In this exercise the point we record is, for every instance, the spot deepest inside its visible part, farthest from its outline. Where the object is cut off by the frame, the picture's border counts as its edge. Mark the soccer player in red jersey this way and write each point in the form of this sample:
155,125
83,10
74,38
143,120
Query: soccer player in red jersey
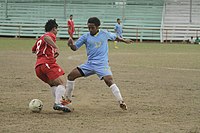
46,67
70,24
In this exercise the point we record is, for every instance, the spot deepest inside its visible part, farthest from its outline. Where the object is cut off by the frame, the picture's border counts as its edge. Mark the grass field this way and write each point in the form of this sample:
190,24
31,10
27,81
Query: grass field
159,82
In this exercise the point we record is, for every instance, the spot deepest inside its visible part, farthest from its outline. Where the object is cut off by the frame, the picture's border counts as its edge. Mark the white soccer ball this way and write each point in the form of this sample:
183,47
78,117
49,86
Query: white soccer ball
35,105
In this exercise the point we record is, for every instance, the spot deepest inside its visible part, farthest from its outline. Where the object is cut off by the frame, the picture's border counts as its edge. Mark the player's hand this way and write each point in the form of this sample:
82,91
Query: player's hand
128,41
70,42
56,54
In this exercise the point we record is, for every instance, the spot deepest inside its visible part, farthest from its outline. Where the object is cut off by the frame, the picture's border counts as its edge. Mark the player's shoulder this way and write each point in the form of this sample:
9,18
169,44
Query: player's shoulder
85,35
103,31
50,34
53,36
68,21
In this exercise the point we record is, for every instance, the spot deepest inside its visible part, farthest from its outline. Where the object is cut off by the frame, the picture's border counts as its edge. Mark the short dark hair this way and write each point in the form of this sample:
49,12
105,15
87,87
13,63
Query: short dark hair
95,21
118,19
71,15
50,24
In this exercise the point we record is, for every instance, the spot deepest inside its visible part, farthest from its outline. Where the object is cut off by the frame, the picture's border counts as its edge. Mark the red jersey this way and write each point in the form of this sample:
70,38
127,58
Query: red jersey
44,51
70,23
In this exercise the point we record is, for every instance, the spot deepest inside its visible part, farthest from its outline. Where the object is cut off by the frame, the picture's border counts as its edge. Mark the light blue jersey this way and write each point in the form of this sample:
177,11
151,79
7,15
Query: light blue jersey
118,29
97,53
96,46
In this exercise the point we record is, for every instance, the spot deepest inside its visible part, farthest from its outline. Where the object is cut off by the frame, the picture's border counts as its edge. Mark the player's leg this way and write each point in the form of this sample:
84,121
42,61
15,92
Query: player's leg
104,72
115,90
115,43
82,70
42,76
70,34
74,74
58,88
55,78
59,91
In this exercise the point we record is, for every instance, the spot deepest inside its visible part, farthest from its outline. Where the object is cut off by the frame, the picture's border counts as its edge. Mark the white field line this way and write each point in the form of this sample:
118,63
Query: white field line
181,69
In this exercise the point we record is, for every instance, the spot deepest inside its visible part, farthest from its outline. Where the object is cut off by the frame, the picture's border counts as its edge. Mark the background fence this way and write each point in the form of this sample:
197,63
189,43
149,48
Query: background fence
142,20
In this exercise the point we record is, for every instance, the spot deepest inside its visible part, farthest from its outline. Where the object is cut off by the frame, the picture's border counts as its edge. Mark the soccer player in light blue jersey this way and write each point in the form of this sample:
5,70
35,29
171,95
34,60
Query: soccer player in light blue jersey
118,30
96,42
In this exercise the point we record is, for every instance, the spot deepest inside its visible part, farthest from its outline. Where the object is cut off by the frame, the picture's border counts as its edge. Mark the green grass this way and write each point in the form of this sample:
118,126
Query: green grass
25,44
184,56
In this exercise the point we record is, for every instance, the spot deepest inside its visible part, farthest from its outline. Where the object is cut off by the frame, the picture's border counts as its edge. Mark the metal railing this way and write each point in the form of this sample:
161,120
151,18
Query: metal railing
135,33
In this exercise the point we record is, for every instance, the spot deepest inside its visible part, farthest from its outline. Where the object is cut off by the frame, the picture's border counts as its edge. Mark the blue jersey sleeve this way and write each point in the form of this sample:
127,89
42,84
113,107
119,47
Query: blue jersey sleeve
81,41
111,36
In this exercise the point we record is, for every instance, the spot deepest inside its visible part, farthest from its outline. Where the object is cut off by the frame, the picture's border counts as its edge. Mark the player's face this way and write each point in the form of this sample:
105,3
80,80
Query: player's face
118,21
55,30
92,28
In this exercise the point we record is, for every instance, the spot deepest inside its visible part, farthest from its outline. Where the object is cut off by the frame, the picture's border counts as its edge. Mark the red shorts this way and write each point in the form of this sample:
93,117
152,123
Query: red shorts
48,72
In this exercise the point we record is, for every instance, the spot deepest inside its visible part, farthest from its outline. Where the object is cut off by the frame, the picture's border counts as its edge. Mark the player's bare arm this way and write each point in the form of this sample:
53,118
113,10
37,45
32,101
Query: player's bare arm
71,44
48,40
56,54
128,41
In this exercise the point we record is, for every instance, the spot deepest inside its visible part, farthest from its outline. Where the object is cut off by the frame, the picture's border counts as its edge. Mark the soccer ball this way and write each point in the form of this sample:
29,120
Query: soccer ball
35,105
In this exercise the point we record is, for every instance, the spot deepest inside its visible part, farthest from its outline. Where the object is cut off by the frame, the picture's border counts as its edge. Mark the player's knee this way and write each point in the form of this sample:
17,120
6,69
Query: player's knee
52,83
74,74
108,81
70,77
56,82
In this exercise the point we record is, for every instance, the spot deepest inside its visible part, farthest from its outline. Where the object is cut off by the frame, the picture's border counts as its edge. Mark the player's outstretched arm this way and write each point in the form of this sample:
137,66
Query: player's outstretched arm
128,41
71,44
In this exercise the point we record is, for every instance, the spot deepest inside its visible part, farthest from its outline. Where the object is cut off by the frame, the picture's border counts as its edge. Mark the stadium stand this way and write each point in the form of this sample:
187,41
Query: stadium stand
23,18
179,23
142,20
